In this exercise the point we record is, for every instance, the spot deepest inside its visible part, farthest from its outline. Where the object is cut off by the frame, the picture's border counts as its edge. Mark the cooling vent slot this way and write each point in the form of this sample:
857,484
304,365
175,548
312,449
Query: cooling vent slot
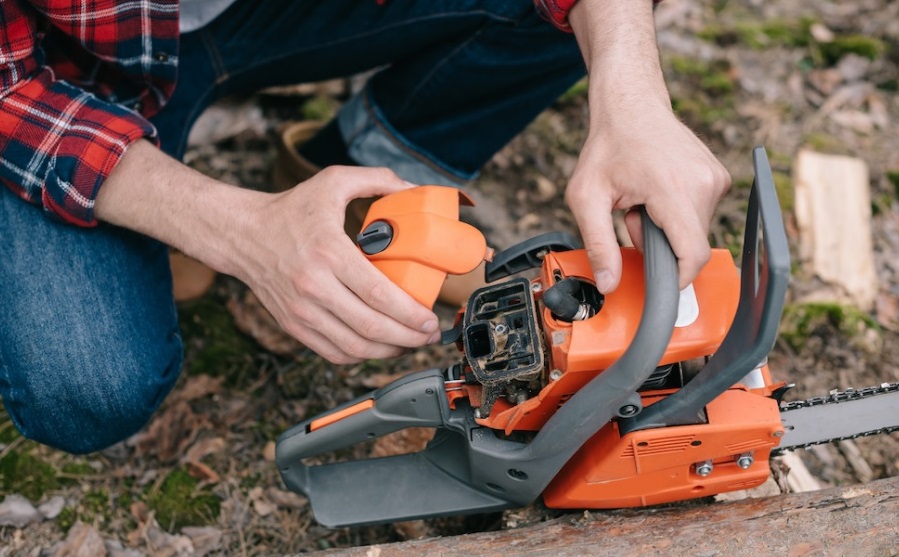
747,446
661,446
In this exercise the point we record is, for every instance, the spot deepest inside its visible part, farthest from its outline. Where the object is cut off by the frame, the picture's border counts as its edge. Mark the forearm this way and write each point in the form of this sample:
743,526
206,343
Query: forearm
155,195
617,39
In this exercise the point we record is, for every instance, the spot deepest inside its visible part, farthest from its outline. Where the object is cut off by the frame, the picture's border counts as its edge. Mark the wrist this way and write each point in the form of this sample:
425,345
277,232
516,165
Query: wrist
618,42
157,196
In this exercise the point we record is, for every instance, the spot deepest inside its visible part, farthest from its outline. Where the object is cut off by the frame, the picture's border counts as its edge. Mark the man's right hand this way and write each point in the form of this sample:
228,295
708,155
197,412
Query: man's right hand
289,248
315,281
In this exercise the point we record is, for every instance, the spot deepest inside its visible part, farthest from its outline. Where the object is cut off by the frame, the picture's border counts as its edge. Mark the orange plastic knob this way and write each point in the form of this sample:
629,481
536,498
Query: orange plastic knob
416,239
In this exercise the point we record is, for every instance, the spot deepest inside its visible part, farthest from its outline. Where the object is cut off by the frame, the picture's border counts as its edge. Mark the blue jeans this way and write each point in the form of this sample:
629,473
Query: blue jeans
89,340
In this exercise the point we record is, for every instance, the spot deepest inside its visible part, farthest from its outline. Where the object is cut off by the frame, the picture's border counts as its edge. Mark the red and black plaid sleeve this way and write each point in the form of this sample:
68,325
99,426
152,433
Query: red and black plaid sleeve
556,11
58,140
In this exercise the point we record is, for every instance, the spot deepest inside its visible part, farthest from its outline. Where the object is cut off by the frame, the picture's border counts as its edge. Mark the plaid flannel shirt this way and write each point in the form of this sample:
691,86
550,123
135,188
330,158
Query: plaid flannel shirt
78,80
77,83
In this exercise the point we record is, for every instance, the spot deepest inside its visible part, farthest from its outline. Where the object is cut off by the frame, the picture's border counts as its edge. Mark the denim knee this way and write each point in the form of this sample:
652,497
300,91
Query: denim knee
85,405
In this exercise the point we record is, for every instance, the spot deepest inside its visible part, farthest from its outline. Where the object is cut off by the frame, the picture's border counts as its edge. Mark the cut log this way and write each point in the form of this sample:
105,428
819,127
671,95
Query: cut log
833,214
856,520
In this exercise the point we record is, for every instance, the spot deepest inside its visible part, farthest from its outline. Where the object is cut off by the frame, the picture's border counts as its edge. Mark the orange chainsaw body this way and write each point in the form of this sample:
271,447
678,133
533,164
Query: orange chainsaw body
428,239
654,465
643,467
581,349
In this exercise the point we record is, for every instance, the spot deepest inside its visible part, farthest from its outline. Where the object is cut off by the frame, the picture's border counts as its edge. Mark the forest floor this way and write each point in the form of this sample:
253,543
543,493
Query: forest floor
200,479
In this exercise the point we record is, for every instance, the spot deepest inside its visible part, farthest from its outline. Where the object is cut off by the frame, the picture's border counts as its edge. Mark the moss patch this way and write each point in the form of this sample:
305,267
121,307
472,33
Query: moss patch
783,185
893,177
213,345
760,35
576,91
180,502
319,107
825,143
801,320
868,47
26,475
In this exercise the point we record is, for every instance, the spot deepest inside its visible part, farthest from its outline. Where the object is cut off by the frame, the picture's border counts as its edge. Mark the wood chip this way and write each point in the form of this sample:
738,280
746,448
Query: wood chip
833,214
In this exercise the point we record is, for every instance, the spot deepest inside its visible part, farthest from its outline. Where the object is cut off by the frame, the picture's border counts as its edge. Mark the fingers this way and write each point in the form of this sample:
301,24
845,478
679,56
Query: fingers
594,217
381,310
686,235
353,182
333,340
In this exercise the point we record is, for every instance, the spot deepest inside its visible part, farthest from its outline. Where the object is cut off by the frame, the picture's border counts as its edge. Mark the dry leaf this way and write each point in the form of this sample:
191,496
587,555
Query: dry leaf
286,499
405,441
170,433
198,386
251,318
375,380
412,529
164,544
205,539
202,472
83,540
268,452
140,512
205,447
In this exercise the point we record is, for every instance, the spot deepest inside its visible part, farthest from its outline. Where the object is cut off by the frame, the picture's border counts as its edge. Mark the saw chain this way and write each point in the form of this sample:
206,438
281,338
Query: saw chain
792,412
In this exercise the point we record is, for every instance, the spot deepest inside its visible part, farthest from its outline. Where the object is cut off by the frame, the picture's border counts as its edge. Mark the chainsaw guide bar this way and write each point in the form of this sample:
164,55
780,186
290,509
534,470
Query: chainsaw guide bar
839,416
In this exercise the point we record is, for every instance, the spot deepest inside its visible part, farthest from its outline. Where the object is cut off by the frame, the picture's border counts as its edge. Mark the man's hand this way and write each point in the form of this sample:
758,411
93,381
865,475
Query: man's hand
321,289
290,248
637,152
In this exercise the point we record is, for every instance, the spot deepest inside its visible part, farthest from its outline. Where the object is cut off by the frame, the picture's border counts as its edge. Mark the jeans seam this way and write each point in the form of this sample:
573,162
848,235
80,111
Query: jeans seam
431,161
215,57
4,368
414,93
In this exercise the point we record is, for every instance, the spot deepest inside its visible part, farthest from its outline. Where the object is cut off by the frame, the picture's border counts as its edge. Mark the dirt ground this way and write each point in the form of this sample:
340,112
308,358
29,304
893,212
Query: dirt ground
200,480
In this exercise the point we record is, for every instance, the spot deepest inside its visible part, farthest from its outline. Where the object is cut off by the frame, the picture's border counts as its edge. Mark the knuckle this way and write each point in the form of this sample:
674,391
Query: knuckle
357,348
370,328
329,172
383,174
374,293
341,359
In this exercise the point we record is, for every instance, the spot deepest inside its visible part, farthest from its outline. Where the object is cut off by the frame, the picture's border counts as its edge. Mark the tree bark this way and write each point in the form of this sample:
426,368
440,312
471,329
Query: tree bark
854,520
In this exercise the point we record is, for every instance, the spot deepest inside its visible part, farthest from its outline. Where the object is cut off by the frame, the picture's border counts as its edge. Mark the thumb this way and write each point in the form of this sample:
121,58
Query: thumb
594,220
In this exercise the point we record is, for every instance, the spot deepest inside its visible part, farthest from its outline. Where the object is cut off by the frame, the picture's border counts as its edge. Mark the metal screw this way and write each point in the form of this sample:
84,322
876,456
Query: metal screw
745,460
555,375
627,410
777,433
477,413
500,329
704,468
536,286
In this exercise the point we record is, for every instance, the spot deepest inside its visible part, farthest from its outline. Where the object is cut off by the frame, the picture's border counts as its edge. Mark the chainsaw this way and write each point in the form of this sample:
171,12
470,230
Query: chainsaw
642,396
